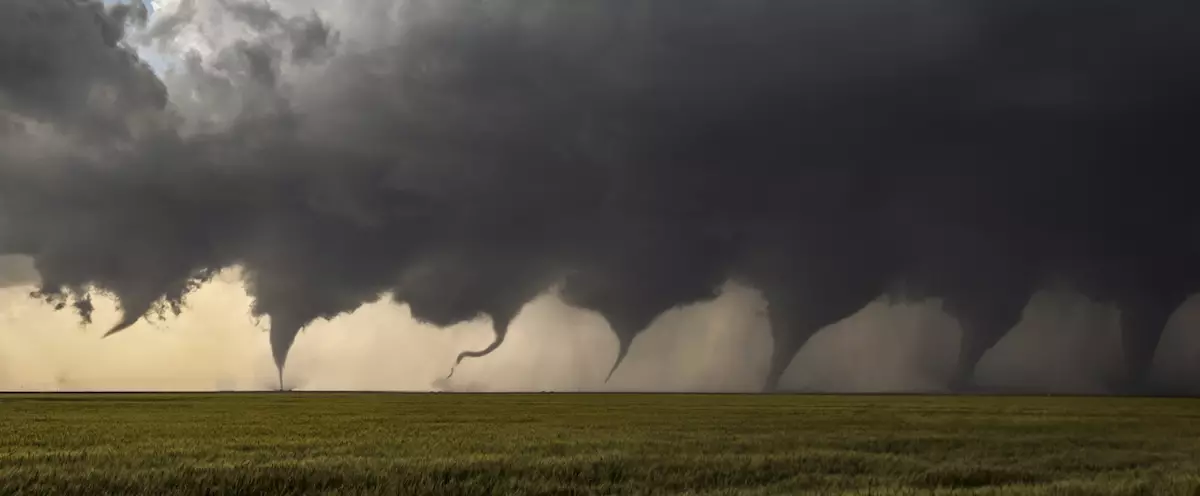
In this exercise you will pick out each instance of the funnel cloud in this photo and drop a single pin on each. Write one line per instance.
(465, 159)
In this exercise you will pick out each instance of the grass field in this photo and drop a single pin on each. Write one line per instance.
(306, 443)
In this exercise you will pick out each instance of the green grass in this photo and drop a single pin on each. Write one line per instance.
(596, 444)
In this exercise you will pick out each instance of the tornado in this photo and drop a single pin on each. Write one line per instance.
(1146, 302)
(625, 305)
(812, 278)
(797, 313)
(983, 323)
(283, 331)
(1142, 326)
(502, 314)
(636, 272)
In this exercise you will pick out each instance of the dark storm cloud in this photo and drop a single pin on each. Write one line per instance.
(634, 155)
(62, 63)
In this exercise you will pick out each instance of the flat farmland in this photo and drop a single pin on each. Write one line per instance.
(365, 443)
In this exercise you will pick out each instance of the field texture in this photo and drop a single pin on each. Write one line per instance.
(595, 444)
